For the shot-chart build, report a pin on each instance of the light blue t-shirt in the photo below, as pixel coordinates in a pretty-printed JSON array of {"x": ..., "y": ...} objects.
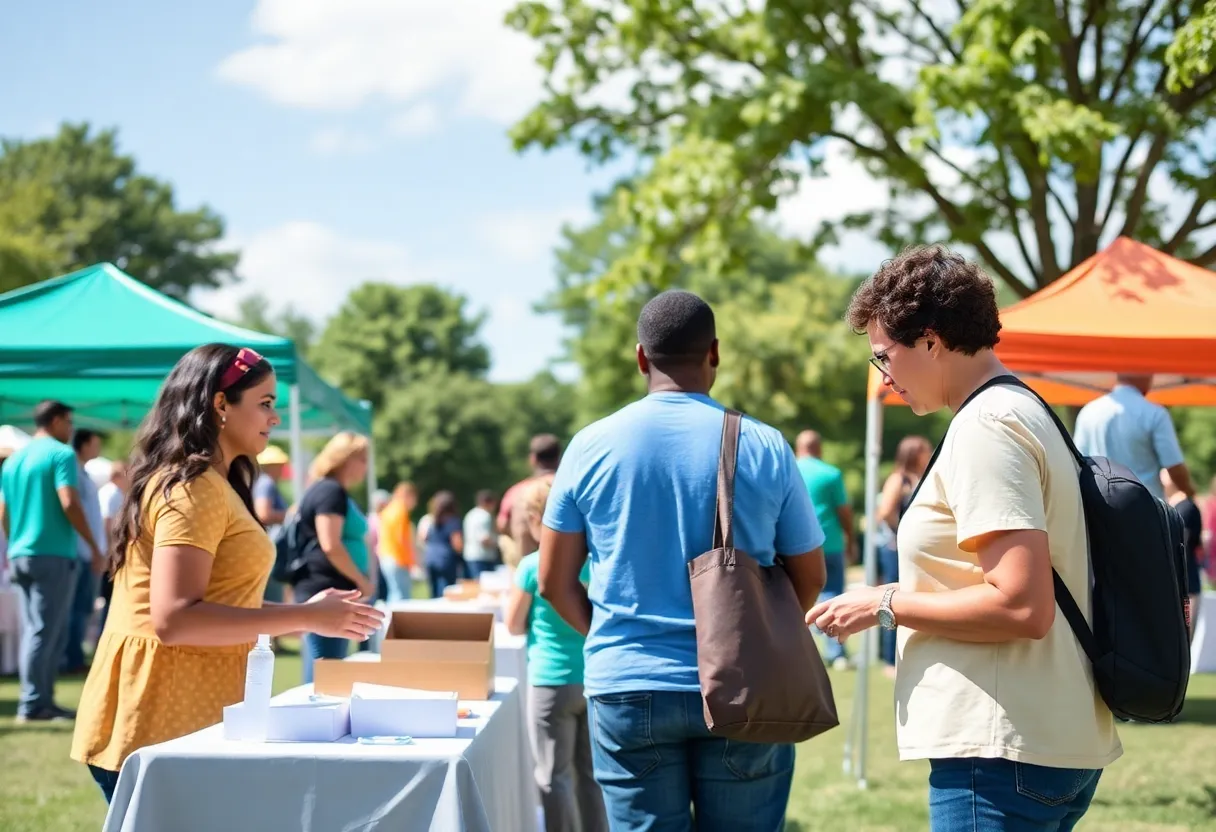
[
  {"x": 30, "y": 482},
  {"x": 1127, "y": 428},
  {"x": 825, "y": 484},
  {"x": 641, "y": 484}
]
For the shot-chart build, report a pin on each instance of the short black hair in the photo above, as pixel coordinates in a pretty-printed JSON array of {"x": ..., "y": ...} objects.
[
  {"x": 676, "y": 327},
  {"x": 546, "y": 449},
  {"x": 82, "y": 437},
  {"x": 48, "y": 411}
]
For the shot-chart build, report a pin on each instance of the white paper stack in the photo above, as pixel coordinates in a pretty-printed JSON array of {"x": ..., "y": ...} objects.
[
  {"x": 385, "y": 710},
  {"x": 324, "y": 720}
]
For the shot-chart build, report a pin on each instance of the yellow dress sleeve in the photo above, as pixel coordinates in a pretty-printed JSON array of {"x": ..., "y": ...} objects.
[{"x": 195, "y": 514}]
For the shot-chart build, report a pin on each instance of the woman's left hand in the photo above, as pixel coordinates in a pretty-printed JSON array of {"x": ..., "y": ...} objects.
[{"x": 849, "y": 613}]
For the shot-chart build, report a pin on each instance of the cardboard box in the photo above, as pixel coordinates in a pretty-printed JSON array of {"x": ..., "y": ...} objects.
[
  {"x": 437, "y": 651},
  {"x": 465, "y": 590},
  {"x": 291, "y": 722},
  {"x": 381, "y": 710}
]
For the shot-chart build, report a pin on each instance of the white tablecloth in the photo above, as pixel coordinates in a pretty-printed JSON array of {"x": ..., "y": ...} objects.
[
  {"x": 1203, "y": 647},
  {"x": 510, "y": 659},
  {"x": 204, "y": 783}
]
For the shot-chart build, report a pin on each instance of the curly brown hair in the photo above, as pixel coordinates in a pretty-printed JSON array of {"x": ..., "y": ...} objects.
[{"x": 930, "y": 288}]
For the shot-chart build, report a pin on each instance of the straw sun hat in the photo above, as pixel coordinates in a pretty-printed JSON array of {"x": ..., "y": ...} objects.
[{"x": 273, "y": 455}]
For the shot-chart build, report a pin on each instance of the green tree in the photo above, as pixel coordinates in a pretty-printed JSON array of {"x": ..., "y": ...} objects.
[
  {"x": 74, "y": 200},
  {"x": 1023, "y": 130},
  {"x": 254, "y": 312},
  {"x": 387, "y": 336},
  {"x": 542, "y": 404},
  {"x": 442, "y": 430}
]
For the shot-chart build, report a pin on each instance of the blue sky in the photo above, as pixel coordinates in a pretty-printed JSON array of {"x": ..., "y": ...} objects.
[{"x": 342, "y": 141}]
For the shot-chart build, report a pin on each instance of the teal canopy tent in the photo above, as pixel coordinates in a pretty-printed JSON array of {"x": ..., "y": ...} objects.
[{"x": 101, "y": 341}]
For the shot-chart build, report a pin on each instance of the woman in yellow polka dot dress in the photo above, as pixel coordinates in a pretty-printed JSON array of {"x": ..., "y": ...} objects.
[{"x": 190, "y": 562}]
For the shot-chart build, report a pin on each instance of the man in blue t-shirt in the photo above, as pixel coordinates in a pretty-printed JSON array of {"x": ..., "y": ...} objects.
[
  {"x": 825, "y": 484},
  {"x": 635, "y": 493},
  {"x": 42, "y": 514}
]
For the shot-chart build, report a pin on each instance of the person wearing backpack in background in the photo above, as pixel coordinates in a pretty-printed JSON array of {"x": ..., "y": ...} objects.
[{"x": 980, "y": 644}]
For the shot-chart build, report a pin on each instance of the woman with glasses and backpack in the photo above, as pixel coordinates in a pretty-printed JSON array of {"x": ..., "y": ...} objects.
[{"x": 1000, "y": 507}]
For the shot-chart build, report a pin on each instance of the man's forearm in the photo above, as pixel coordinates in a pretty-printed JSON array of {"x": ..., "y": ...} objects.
[
  {"x": 573, "y": 605},
  {"x": 75, "y": 514}
]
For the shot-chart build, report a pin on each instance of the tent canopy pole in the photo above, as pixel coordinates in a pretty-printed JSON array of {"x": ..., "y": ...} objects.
[{"x": 297, "y": 445}]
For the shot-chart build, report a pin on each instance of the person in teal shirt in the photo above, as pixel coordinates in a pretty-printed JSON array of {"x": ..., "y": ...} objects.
[
  {"x": 825, "y": 484},
  {"x": 561, "y": 740},
  {"x": 41, "y": 515}
]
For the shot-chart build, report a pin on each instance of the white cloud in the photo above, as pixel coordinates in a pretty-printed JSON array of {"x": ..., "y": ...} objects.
[
  {"x": 312, "y": 268},
  {"x": 336, "y": 55},
  {"x": 416, "y": 121},
  {"x": 333, "y": 141},
  {"x": 526, "y": 236}
]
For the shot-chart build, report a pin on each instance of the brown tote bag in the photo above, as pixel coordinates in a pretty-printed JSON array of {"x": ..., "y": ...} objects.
[{"x": 762, "y": 679}]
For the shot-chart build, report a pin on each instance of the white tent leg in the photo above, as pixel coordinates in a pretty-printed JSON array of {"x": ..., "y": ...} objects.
[
  {"x": 297, "y": 445},
  {"x": 371, "y": 470},
  {"x": 856, "y": 743}
]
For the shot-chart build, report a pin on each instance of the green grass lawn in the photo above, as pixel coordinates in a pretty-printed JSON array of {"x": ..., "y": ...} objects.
[{"x": 1165, "y": 781}]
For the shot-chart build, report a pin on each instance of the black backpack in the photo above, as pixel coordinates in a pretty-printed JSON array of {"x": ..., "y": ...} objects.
[
  {"x": 288, "y": 559},
  {"x": 1139, "y": 645}
]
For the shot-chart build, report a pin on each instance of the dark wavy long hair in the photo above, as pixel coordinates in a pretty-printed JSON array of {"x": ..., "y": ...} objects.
[{"x": 180, "y": 437}]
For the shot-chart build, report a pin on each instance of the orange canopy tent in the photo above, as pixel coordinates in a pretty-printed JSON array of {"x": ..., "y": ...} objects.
[{"x": 1127, "y": 309}]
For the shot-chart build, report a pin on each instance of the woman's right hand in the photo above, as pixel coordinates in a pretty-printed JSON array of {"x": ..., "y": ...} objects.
[{"x": 338, "y": 613}]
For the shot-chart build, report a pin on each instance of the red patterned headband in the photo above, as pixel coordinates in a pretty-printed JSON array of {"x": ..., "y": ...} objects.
[{"x": 243, "y": 363}]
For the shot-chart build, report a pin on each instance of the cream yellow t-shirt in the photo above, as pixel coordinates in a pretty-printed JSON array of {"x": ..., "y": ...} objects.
[{"x": 1003, "y": 467}]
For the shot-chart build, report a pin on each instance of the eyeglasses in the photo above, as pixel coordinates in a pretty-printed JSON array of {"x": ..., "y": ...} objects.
[{"x": 881, "y": 362}]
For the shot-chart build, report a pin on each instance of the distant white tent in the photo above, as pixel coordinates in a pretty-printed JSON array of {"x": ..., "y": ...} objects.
[{"x": 13, "y": 438}]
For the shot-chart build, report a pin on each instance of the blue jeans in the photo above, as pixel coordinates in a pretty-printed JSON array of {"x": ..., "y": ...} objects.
[
  {"x": 981, "y": 795},
  {"x": 47, "y": 584},
  {"x": 106, "y": 780},
  {"x": 476, "y": 567},
  {"x": 83, "y": 598},
  {"x": 398, "y": 582},
  {"x": 833, "y": 587},
  {"x": 321, "y": 647},
  {"x": 888, "y": 573},
  {"x": 441, "y": 577},
  {"x": 657, "y": 763}
]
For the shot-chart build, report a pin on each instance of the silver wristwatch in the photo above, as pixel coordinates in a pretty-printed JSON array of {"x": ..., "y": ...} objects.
[{"x": 886, "y": 616}]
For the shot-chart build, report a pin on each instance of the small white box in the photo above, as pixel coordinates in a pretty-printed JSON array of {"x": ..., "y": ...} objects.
[
  {"x": 384, "y": 710},
  {"x": 322, "y": 721}
]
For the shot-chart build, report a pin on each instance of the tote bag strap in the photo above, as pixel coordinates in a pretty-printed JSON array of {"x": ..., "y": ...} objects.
[{"x": 728, "y": 457}]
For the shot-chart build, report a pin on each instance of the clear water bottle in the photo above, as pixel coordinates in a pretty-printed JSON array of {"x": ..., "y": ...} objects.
[{"x": 259, "y": 680}]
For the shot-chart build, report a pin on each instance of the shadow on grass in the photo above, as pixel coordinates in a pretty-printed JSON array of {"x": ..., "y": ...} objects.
[{"x": 1200, "y": 710}]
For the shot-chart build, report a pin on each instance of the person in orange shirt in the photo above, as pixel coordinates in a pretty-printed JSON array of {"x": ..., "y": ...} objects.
[{"x": 396, "y": 547}]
